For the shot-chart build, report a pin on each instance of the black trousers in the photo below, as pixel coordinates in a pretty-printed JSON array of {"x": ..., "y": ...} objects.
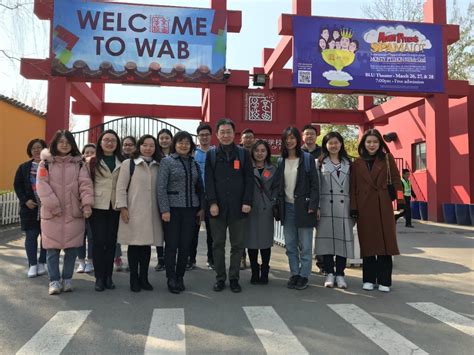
[
  {"x": 194, "y": 245},
  {"x": 377, "y": 270},
  {"x": 139, "y": 260},
  {"x": 178, "y": 239},
  {"x": 329, "y": 264},
  {"x": 264, "y": 255},
  {"x": 407, "y": 212},
  {"x": 104, "y": 225}
]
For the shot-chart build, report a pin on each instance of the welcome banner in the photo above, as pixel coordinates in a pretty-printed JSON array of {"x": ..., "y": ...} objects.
[
  {"x": 126, "y": 42},
  {"x": 333, "y": 53}
]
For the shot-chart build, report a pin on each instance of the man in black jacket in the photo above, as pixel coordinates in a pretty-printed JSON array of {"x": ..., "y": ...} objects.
[{"x": 229, "y": 189}]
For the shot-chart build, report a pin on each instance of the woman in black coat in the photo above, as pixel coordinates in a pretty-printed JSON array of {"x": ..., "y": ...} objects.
[{"x": 25, "y": 189}]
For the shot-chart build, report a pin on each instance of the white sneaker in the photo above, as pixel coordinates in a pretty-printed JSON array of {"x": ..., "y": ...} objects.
[
  {"x": 67, "y": 285},
  {"x": 368, "y": 286},
  {"x": 329, "y": 283},
  {"x": 89, "y": 267},
  {"x": 384, "y": 288},
  {"x": 33, "y": 271},
  {"x": 41, "y": 269},
  {"x": 341, "y": 282},
  {"x": 54, "y": 288},
  {"x": 82, "y": 266}
]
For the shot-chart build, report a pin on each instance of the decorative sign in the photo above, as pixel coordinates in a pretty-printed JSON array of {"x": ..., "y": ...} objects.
[
  {"x": 259, "y": 106},
  {"x": 333, "y": 53},
  {"x": 126, "y": 42}
]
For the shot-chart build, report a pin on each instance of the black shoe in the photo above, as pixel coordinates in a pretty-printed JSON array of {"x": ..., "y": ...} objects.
[
  {"x": 219, "y": 286},
  {"x": 109, "y": 284},
  {"x": 145, "y": 284},
  {"x": 99, "y": 285},
  {"x": 410, "y": 226},
  {"x": 302, "y": 283},
  {"x": 264, "y": 270},
  {"x": 255, "y": 279},
  {"x": 160, "y": 266},
  {"x": 134, "y": 283},
  {"x": 180, "y": 283},
  {"x": 234, "y": 286},
  {"x": 292, "y": 281},
  {"x": 190, "y": 265},
  {"x": 173, "y": 286}
]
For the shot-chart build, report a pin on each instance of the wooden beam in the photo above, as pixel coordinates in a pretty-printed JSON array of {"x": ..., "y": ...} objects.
[
  {"x": 43, "y": 9},
  {"x": 84, "y": 94},
  {"x": 281, "y": 79},
  {"x": 35, "y": 69},
  {"x": 280, "y": 56},
  {"x": 301, "y": 7},
  {"x": 234, "y": 21},
  {"x": 391, "y": 108},
  {"x": 285, "y": 25}
]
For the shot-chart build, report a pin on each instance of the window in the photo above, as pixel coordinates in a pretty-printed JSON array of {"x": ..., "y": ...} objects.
[{"x": 419, "y": 156}]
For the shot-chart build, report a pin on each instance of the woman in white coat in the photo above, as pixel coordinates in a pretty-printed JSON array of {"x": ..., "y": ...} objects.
[
  {"x": 334, "y": 236},
  {"x": 140, "y": 225}
]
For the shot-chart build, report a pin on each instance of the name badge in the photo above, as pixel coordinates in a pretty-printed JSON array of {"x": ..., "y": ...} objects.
[{"x": 236, "y": 164}]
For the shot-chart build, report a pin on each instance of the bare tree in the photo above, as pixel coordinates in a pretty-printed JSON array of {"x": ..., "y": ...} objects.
[{"x": 406, "y": 10}]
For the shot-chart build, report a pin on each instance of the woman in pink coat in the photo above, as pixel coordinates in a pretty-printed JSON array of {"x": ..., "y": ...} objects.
[{"x": 66, "y": 194}]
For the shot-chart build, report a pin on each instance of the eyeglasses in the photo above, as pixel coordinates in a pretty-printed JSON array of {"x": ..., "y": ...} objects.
[{"x": 129, "y": 145}]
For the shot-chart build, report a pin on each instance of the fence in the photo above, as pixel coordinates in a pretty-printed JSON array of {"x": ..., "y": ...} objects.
[{"x": 9, "y": 208}]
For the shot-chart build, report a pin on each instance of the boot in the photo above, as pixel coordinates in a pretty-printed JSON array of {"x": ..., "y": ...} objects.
[
  {"x": 264, "y": 274},
  {"x": 144, "y": 264},
  {"x": 255, "y": 274},
  {"x": 180, "y": 283},
  {"x": 173, "y": 285},
  {"x": 144, "y": 283}
]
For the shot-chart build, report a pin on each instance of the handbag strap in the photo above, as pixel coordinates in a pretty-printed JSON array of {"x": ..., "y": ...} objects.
[
  {"x": 262, "y": 188},
  {"x": 389, "y": 175}
]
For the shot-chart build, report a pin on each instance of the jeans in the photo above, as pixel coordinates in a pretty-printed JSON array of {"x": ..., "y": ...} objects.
[
  {"x": 81, "y": 252},
  {"x": 68, "y": 265},
  {"x": 298, "y": 243},
  {"x": 31, "y": 247}
]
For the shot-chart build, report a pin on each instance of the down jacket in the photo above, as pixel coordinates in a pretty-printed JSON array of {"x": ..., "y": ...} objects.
[{"x": 65, "y": 189}]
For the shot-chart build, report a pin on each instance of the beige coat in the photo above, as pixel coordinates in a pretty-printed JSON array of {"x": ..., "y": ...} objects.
[
  {"x": 144, "y": 226},
  {"x": 105, "y": 184}
]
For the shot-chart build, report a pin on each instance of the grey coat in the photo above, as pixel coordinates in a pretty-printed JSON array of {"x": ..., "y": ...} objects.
[
  {"x": 258, "y": 227},
  {"x": 334, "y": 233}
]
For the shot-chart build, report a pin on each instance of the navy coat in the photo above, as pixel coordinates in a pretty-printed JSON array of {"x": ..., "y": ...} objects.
[{"x": 24, "y": 191}]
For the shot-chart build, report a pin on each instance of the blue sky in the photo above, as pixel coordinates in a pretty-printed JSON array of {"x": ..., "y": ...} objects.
[{"x": 259, "y": 30}]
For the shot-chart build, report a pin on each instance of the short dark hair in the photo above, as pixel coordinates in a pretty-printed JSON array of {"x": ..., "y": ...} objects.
[
  {"x": 203, "y": 126},
  {"x": 268, "y": 159},
  {"x": 30, "y": 145},
  {"x": 293, "y": 131},
  {"x": 224, "y": 121},
  {"x": 132, "y": 138},
  {"x": 88, "y": 145},
  {"x": 247, "y": 130},
  {"x": 141, "y": 140},
  {"x": 383, "y": 148},
  {"x": 309, "y": 126},
  {"x": 53, "y": 145},
  {"x": 182, "y": 135},
  {"x": 405, "y": 171}
]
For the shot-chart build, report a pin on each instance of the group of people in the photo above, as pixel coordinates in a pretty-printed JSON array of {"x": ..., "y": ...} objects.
[{"x": 156, "y": 192}]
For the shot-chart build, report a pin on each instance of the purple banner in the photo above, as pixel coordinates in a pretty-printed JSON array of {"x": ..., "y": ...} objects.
[{"x": 334, "y": 53}]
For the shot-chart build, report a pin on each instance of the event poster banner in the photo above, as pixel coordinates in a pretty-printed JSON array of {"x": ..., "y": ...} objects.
[
  {"x": 126, "y": 42},
  {"x": 334, "y": 53}
]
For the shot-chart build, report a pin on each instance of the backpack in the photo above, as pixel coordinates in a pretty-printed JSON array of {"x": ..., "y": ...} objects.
[
  {"x": 306, "y": 161},
  {"x": 213, "y": 153}
]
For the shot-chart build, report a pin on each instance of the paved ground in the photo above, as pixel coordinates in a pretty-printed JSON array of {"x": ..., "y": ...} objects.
[{"x": 430, "y": 308}]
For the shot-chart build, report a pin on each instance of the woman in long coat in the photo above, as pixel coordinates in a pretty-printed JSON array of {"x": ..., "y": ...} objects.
[
  {"x": 371, "y": 204},
  {"x": 259, "y": 225},
  {"x": 140, "y": 224},
  {"x": 334, "y": 233}
]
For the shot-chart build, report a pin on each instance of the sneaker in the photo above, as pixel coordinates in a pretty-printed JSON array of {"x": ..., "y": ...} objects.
[
  {"x": 234, "y": 286},
  {"x": 384, "y": 288},
  {"x": 292, "y": 281},
  {"x": 302, "y": 283},
  {"x": 67, "y": 285},
  {"x": 368, "y": 286},
  {"x": 341, "y": 282},
  {"x": 118, "y": 264},
  {"x": 210, "y": 265},
  {"x": 89, "y": 267},
  {"x": 54, "y": 288},
  {"x": 329, "y": 283},
  {"x": 160, "y": 266},
  {"x": 41, "y": 269},
  {"x": 33, "y": 271},
  {"x": 82, "y": 266},
  {"x": 243, "y": 263}
]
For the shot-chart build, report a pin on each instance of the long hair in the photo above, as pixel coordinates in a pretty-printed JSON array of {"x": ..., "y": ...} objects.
[
  {"x": 294, "y": 132},
  {"x": 53, "y": 145},
  {"x": 268, "y": 159},
  {"x": 88, "y": 145},
  {"x": 99, "y": 153},
  {"x": 324, "y": 150},
  {"x": 140, "y": 142},
  {"x": 159, "y": 152},
  {"x": 182, "y": 135},
  {"x": 383, "y": 148}
]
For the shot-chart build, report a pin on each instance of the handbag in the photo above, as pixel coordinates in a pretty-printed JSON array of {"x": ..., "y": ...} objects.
[{"x": 391, "y": 189}]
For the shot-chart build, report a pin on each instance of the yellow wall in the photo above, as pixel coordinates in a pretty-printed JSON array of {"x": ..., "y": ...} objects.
[{"x": 17, "y": 128}]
